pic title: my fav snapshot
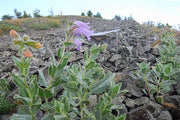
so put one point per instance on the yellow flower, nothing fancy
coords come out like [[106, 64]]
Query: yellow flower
[[27, 53], [13, 34]]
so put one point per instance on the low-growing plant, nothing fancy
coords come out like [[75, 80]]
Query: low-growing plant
[[79, 82], [165, 72]]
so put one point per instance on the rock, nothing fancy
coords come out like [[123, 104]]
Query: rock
[[141, 101], [140, 114], [153, 108], [130, 103], [123, 110], [175, 113], [133, 90], [155, 51], [39, 114], [75, 58], [147, 48], [113, 50], [140, 50], [118, 100], [115, 57], [174, 99], [119, 77], [5, 117], [164, 115], [177, 88]]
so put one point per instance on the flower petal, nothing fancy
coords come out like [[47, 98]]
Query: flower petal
[[78, 43]]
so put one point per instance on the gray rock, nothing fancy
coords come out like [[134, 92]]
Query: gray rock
[[141, 101], [115, 57], [123, 110], [147, 47], [164, 115], [118, 100], [135, 91], [153, 107], [140, 114], [130, 103], [177, 88]]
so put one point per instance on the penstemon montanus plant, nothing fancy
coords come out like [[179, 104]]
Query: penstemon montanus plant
[[79, 82]]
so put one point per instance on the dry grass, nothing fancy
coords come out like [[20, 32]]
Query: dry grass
[[28, 23]]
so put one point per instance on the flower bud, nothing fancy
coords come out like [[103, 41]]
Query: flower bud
[[25, 37], [37, 45], [33, 44], [17, 42], [13, 34], [27, 53]]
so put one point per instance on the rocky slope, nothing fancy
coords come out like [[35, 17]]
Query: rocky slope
[[128, 44]]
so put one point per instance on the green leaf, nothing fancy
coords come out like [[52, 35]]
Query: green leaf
[[101, 86], [23, 109], [122, 117], [23, 92], [90, 65], [162, 49], [58, 106], [18, 62], [168, 82], [52, 70], [165, 89], [59, 52], [167, 70], [55, 83], [116, 107], [63, 64], [68, 54], [176, 50], [177, 59], [28, 100], [42, 79], [116, 90], [34, 89], [68, 43], [18, 80], [66, 107], [21, 117], [98, 114], [69, 88], [36, 108], [60, 117], [27, 62], [94, 49], [45, 93], [47, 107], [53, 60], [159, 99], [48, 116], [4, 85], [85, 55]]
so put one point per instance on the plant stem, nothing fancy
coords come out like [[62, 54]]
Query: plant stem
[[159, 89], [49, 83], [32, 113], [146, 81]]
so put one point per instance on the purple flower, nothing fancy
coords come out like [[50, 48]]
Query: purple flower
[[82, 29], [77, 43]]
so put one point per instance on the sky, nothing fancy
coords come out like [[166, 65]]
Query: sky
[[164, 11]]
